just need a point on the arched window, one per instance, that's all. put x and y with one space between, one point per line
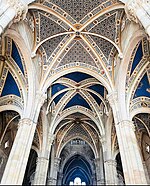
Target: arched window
77 181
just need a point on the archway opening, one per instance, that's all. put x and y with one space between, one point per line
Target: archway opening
9 120
30 169
77 171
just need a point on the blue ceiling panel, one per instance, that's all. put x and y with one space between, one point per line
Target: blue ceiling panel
143 88
97 99
57 99
10 86
77 76
77 100
16 56
98 88
138 57
57 87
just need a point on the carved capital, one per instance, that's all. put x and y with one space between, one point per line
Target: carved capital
130 9
21 9
41 97
126 123
25 121
111 162
112 98
42 160
51 180
56 163
50 139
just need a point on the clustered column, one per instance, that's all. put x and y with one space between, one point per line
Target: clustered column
52 180
111 172
109 164
42 165
129 150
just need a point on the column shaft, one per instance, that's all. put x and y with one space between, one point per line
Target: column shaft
129 149
42 165
111 172
41 171
17 161
130 155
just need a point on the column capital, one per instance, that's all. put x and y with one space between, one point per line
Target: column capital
21 9
41 97
25 121
51 138
130 9
132 6
111 162
51 180
42 159
56 162
126 123
112 98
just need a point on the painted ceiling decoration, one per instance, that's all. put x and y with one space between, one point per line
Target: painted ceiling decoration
14 75
143 88
67 35
83 87
138 56
66 68
16 57
75 33
10 86
142 122
74 126
139 87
